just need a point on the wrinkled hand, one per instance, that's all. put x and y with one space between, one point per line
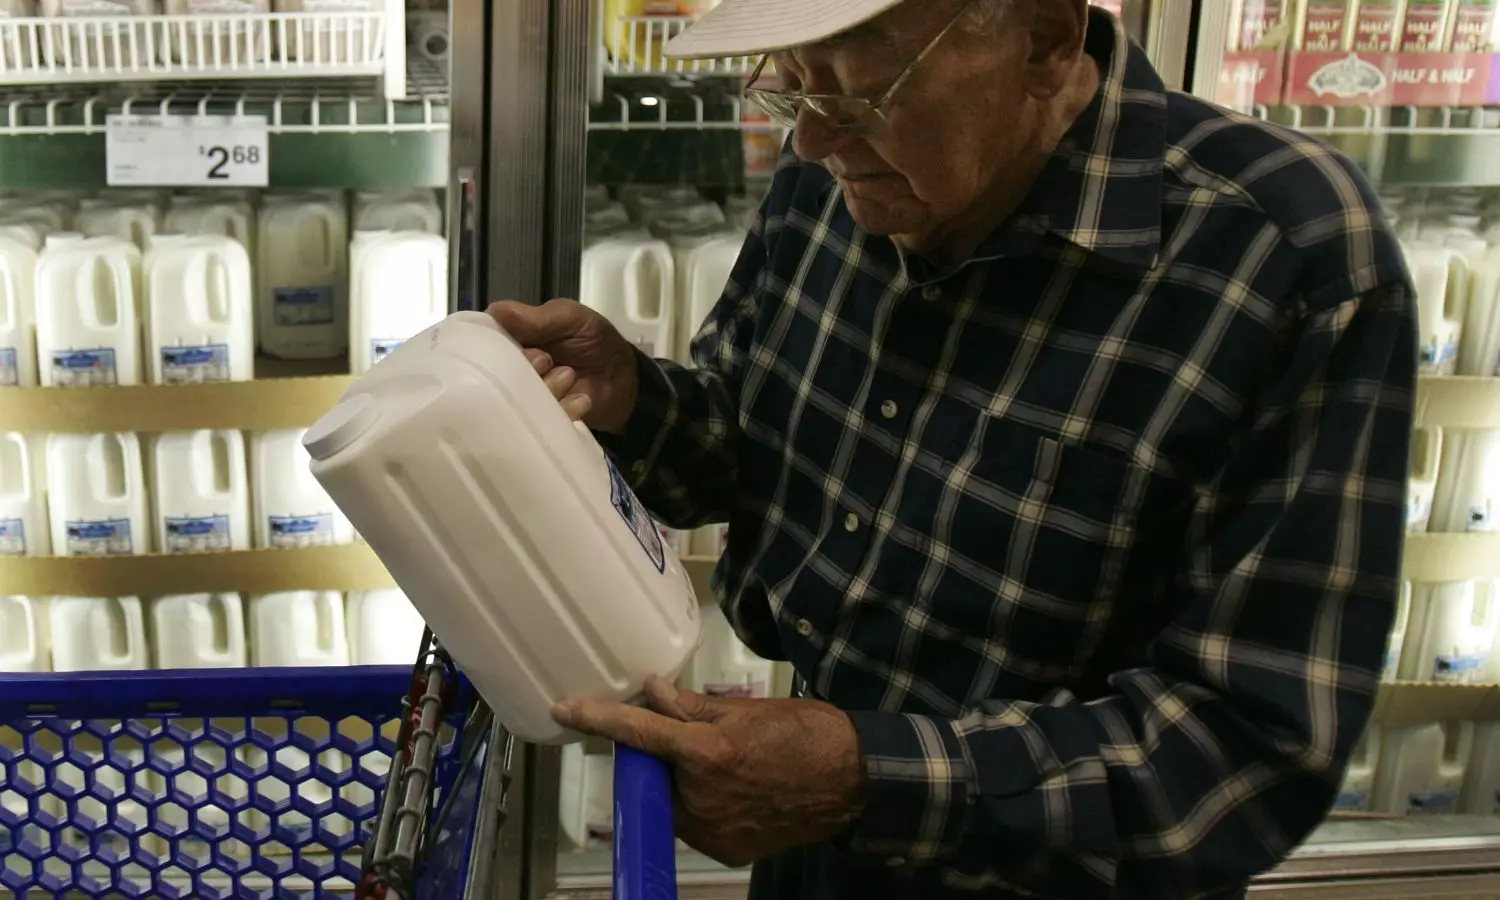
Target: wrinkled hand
587 363
750 777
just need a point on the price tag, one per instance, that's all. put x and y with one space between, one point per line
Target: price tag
187 151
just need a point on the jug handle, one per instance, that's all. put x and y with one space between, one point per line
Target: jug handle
221 607
326 602
19 440
33 644
633 270
10 303
644 849
1456 302
1427 449
115 607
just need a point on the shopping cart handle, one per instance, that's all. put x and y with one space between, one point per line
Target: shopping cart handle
645 842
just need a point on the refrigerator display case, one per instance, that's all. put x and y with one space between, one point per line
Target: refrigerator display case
1411 92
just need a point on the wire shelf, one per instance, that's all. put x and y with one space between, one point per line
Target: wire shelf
676 110
632 46
1462 121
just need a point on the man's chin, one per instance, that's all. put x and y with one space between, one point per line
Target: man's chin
879 218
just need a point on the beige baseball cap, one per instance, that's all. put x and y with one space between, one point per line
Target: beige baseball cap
753 27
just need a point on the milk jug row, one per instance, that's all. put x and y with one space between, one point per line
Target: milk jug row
208 631
1436 768
1445 632
1454 480
178 492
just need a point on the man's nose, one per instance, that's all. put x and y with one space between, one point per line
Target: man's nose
817 137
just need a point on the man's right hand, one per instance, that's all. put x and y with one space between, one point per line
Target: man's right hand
588 365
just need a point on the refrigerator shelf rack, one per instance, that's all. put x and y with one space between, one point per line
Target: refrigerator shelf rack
632 46
675 111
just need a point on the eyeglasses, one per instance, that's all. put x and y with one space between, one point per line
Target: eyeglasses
860 115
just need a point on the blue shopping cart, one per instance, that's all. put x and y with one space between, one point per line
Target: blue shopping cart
369 782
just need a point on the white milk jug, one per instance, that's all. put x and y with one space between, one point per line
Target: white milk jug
202 498
725 667
1396 642
709 541
23 634
291 509
24 232
45 217
529 556
631 284
208 216
647 202
703 269
1480 794
298 628
1450 631
1466 496
133 222
398 211
1442 279
1479 349
1421 480
23 522
200 312
384 629
88 312
302 308
17 314
1359 776
96 495
199 631
1421 768
97 634
401 289
585 800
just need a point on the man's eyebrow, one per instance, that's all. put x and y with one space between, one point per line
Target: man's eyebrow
863 31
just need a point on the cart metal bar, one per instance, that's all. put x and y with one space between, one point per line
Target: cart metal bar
645 848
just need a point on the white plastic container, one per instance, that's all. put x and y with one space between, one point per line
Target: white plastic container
97 634
24 643
1450 631
29 234
302 302
133 222
710 540
1480 794
384 629
725 667
23 515
1479 350
1359 776
96 495
631 283
88 312
398 211
1466 492
701 276
291 508
218 38
1421 480
298 628
400 289
1442 279
198 631
202 495
214 216
17 314
200 326
1421 768
585 799
511 532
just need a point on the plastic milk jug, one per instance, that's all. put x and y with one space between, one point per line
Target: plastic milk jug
384 629
17 314
1396 642
630 282
401 289
1421 480
291 508
202 498
1450 631
1480 794
725 667
1421 768
302 305
23 528
199 322
1466 496
199 631
398 211
701 278
88 312
511 532
298 628
210 216
1479 350
96 495
28 234
1359 777
585 802
133 222
95 634
1442 279
23 634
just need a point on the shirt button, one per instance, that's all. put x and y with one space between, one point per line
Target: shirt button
931 292
804 628
889 409
851 522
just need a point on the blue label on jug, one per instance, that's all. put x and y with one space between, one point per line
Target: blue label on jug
83 368
1432 803
195 365
380 348
294 307
636 517
197 534
1352 799
99 537
301 531
10 370
12 537
1456 667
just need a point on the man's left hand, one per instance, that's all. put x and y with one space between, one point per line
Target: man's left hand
750 777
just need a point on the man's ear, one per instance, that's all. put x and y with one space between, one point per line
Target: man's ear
1056 30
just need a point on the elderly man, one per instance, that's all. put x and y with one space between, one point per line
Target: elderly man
1060 422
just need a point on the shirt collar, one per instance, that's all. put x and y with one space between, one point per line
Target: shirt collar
1101 190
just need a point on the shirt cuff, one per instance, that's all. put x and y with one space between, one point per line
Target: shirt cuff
656 410
917 788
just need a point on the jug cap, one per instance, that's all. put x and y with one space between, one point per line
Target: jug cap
340 426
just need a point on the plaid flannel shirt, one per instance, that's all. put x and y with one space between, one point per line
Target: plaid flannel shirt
1096 536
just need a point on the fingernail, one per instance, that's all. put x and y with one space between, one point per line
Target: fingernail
562 712
542 363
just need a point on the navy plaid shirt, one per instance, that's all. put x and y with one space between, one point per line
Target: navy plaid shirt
1097 535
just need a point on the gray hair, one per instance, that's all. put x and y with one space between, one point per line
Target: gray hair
985 15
